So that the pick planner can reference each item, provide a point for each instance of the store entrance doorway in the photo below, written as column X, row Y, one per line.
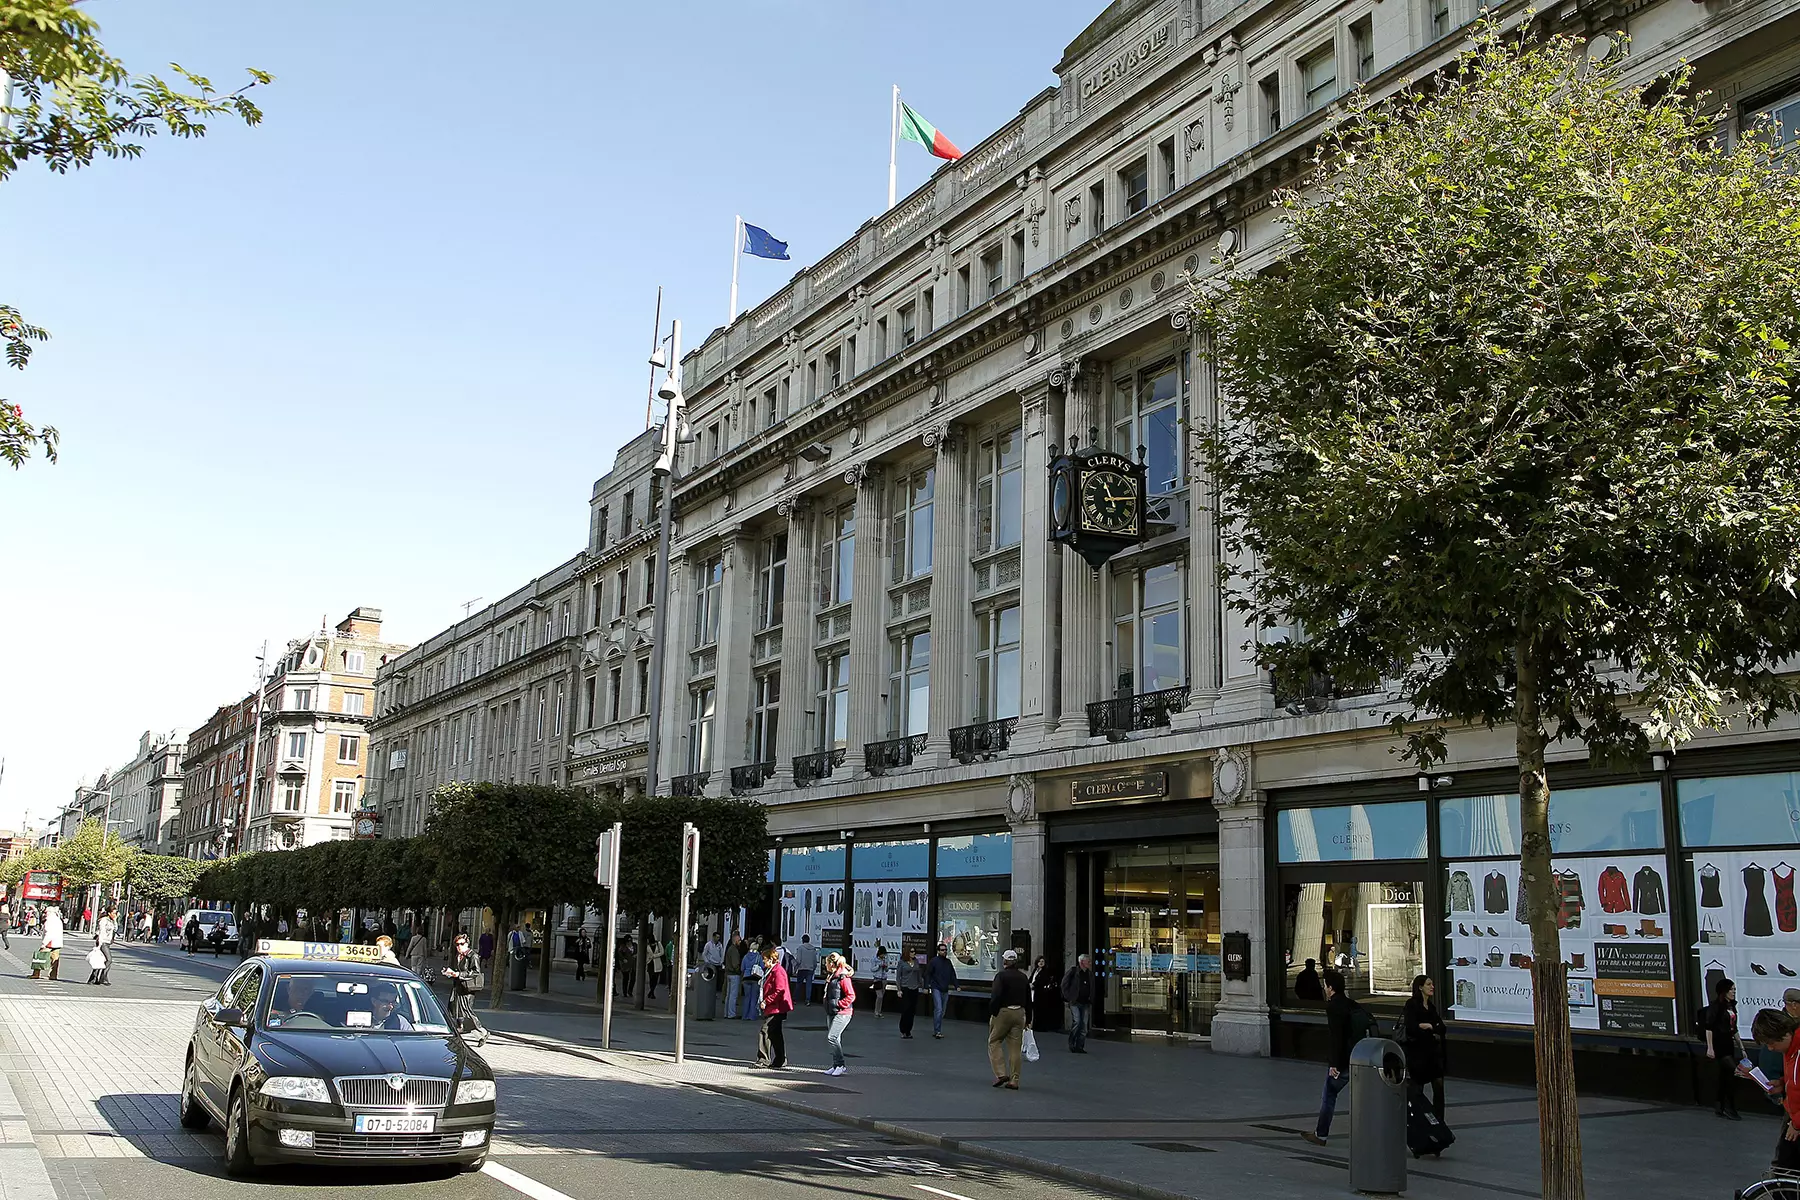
column 1149, row 914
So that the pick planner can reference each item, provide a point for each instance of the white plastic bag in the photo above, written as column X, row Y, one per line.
column 96, row 959
column 1031, row 1050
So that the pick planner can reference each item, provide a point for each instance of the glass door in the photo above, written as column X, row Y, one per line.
column 1157, row 928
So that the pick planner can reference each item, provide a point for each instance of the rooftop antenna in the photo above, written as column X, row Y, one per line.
column 468, row 605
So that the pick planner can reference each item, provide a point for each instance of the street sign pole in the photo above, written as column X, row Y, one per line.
column 690, row 877
column 607, row 876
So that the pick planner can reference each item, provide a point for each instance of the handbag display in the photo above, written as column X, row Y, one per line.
column 1495, row 958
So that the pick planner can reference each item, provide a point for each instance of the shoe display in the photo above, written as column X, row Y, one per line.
column 1783, row 968
column 1758, row 968
column 1492, row 932
column 1462, row 931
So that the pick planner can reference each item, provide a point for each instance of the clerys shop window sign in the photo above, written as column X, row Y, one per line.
column 974, row 854
column 890, row 860
column 813, row 864
column 1352, row 832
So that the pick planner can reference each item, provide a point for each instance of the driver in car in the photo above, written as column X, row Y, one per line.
column 300, row 989
column 384, row 998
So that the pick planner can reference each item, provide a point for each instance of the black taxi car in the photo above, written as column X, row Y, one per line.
column 310, row 1052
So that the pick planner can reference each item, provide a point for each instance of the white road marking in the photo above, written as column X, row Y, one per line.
column 853, row 1164
column 525, row 1183
column 925, row 1187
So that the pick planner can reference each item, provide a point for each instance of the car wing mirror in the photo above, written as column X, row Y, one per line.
column 233, row 1018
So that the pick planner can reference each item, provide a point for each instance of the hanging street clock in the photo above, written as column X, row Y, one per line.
column 1096, row 501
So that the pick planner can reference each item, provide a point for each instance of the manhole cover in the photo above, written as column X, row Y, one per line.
column 1177, row 1148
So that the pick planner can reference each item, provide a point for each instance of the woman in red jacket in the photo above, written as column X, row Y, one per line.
column 777, row 1003
column 840, row 997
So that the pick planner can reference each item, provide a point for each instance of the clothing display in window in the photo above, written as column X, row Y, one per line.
column 1568, row 913
column 1462, row 892
column 1613, row 896
column 1647, row 897
column 1519, row 905
column 1709, row 887
column 1784, row 897
column 1756, row 904
column 1465, row 993
column 1493, row 892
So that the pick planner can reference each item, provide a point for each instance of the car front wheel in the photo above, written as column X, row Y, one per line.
column 193, row 1113
column 237, row 1137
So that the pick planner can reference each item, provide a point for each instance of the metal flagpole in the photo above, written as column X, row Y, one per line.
column 893, row 142
column 655, row 345
column 737, row 252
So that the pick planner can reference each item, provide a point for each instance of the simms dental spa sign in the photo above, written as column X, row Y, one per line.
column 1151, row 46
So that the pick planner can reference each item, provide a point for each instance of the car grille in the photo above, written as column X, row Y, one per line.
column 373, row 1091
column 386, row 1145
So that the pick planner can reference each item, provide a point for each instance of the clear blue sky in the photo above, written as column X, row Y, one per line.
column 377, row 350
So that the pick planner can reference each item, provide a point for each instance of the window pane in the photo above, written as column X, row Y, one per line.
column 1012, row 509
column 1124, row 594
column 1373, row 932
column 1162, row 652
column 920, row 539
column 1582, row 821
column 1742, row 810
column 921, row 650
column 1341, row 833
column 1162, row 585
column 1010, row 448
column 984, row 517
column 1006, row 684
column 1164, row 458
column 1125, row 658
column 1009, row 626
column 845, row 560
column 984, row 669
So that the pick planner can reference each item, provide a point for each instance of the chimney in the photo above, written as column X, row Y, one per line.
column 363, row 622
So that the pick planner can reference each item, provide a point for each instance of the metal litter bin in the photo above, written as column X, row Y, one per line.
column 1378, row 1116
column 518, row 963
column 703, row 993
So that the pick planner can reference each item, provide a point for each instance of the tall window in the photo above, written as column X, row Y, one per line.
column 700, row 730
column 909, row 684
column 469, row 746
column 997, row 664
column 649, row 580
column 596, row 608
column 456, row 740
column 964, row 296
column 1096, row 208
column 615, row 687
column 476, row 666
column 1018, row 255
column 1440, row 18
column 709, row 587
column 837, row 555
column 343, row 795
column 537, row 724
column 765, row 717
column 290, row 795
column 1000, row 495
column 834, row 701
column 347, row 748
column 834, row 369
column 622, row 597
column 1147, row 637
column 771, row 579
column 568, row 618
column 353, row 704
column 993, row 273
column 296, row 745
column 771, row 409
column 625, row 505
column 881, row 339
column 1165, row 165
column 912, row 524
column 355, row 661
column 589, row 704
column 1134, row 187
column 643, row 686
column 556, row 721
column 1318, row 78
column 1270, row 90
column 1362, row 46
column 300, row 699
column 1146, row 411
column 909, row 325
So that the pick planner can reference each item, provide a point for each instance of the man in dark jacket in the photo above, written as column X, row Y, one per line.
column 1078, row 994
column 1343, row 1024
column 464, row 974
column 1009, row 1012
column 942, row 974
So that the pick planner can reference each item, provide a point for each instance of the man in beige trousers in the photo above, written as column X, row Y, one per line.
column 1009, row 1012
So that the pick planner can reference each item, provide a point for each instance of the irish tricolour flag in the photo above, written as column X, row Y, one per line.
column 915, row 128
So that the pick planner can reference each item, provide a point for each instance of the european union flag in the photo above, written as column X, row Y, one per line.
column 758, row 241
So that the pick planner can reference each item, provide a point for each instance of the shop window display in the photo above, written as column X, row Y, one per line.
column 890, row 901
column 976, row 926
column 1371, row 930
column 812, row 897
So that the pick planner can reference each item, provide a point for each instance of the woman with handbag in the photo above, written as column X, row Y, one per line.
column 1046, row 997
column 777, row 1003
column 1422, row 1028
column 1724, row 1048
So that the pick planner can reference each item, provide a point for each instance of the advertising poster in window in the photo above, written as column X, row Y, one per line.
column 1748, row 928
column 812, row 897
column 973, row 926
column 887, row 915
column 1614, row 923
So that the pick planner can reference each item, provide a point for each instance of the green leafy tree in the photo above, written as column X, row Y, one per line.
column 1515, row 420
column 38, row 858
column 161, row 879
column 92, row 855
column 73, row 103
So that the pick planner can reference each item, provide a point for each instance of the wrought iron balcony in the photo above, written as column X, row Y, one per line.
column 749, row 778
column 1314, row 696
column 689, row 785
column 810, row 768
column 984, row 739
column 882, row 757
column 1116, row 718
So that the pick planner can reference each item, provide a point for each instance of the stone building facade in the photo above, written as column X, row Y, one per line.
column 215, row 769
column 963, row 734
column 538, row 687
column 145, row 795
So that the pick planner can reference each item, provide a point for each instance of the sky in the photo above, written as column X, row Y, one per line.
column 376, row 350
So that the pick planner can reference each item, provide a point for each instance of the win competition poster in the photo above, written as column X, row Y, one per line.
column 1614, row 921
column 1749, row 928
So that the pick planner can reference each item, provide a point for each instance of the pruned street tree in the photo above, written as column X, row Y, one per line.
column 162, row 879
column 1514, row 420
column 93, row 855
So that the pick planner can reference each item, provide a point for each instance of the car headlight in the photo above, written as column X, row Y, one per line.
column 294, row 1087
column 475, row 1091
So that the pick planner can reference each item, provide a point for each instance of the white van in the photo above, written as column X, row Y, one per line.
column 210, row 917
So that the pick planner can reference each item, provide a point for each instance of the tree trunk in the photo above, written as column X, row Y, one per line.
column 503, row 917
column 544, row 957
column 1559, row 1122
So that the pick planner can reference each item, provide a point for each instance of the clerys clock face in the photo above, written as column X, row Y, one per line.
column 1109, row 502
column 1060, row 499
column 365, row 826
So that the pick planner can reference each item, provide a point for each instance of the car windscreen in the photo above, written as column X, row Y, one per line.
column 353, row 1003
column 214, row 918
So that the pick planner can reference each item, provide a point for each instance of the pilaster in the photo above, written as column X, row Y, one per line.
column 1241, row 1021
column 797, row 603
column 868, row 606
column 951, row 647
column 1245, row 693
column 733, row 680
column 1029, row 843
column 1040, row 575
column 1079, row 648
column 1204, row 584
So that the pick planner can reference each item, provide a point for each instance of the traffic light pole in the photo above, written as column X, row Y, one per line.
column 690, row 877
column 608, row 877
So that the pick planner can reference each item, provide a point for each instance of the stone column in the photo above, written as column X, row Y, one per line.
column 797, row 664
column 1241, row 1021
column 952, row 649
column 677, row 670
column 1040, row 575
column 733, row 681
column 1028, row 848
column 1080, row 651
column 868, row 616
column 1205, row 598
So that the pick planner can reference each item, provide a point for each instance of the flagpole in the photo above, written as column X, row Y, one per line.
column 893, row 142
column 655, row 344
column 737, row 252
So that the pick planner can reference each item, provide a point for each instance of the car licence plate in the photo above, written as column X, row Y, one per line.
column 366, row 1123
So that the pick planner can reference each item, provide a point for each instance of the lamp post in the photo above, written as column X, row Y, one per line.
column 674, row 434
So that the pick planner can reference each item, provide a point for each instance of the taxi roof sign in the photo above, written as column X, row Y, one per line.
column 319, row 951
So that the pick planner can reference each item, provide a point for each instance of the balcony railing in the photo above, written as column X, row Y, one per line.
column 810, row 768
column 984, row 739
column 749, row 778
column 1115, row 719
column 689, row 785
column 1314, row 696
column 882, row 757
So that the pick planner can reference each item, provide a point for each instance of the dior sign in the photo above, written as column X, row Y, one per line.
column 1151, row 46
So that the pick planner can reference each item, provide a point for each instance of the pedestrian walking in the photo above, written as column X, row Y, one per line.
column 418, row 949
column 910, row 979
column 281, row 927
column 1046, row 997
column 87, row 920
column 105, row 934
column 1425, row 1038
column 653, row 972
column 777, row 1003
column 1347, row 1023
column 734, row 974
column 385, row 945
column 1307, row 986
column 190, row 934
column 878, row 976
column 466, row 978
column 840, row 997
column 1009, row 1012
column 1724, row 1048
column 1775, row 1030
column 806, row 966
column 6, row 921
column 1078, row 994
column 485, row 949
column 627, row 960
column 754, row 969
column 53, row 939
column 942, row 979
column 584, row 947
